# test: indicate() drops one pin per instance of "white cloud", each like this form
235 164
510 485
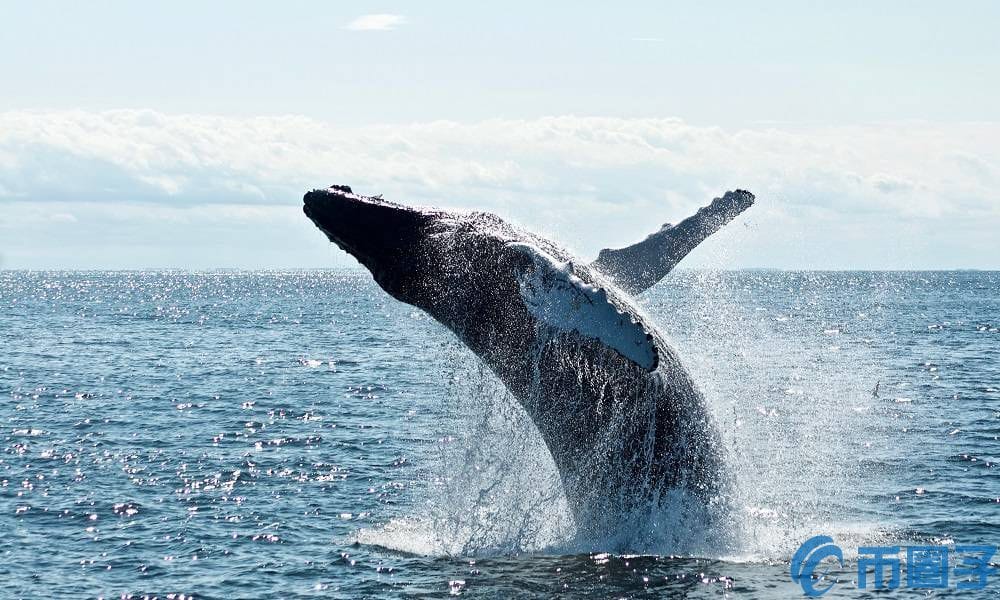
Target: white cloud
589 181
378 22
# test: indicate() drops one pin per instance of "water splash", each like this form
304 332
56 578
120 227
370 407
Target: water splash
493 488
796 417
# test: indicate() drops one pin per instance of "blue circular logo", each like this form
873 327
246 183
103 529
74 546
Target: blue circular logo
809 555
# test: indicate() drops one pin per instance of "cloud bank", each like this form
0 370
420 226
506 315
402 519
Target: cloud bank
880 195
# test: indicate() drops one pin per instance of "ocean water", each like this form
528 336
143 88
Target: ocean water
300 434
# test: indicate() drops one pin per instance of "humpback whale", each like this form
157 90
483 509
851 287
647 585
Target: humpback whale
622 418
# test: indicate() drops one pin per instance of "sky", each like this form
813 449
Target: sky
184 134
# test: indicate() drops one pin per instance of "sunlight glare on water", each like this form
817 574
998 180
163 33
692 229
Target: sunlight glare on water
301 434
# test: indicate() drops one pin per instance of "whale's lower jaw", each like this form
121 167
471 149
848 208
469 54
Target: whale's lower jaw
378 233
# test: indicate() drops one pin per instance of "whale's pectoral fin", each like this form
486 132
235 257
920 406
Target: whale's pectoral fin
562 302
638 267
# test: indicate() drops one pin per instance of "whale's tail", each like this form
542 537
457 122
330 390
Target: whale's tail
638 267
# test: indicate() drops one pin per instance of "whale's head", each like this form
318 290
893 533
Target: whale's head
426 257
455 265
484 278
387 238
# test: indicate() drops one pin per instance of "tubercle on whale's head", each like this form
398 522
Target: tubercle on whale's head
383 236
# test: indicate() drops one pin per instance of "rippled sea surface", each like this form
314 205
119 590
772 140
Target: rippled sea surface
300 434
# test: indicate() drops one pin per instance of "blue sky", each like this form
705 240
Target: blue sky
183 134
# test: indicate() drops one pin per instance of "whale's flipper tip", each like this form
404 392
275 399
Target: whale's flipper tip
638 267
732 203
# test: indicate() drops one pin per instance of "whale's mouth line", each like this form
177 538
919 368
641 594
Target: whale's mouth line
336 239
333 237
324 219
